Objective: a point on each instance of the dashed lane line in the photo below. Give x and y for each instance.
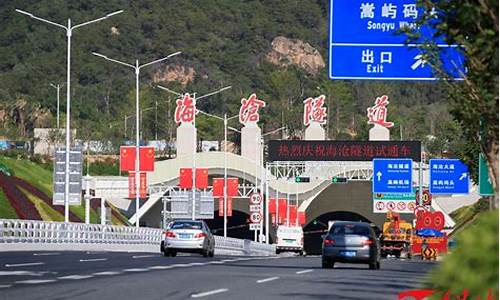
(34, 281)
(160, 267)
(46, 254)
(143, 256)
(209, 293)
(267, 279)
(304, 271)
(76, 277)
(24, 264)
(5, 286)
(93, 259)
(109, 273)
(136, 270)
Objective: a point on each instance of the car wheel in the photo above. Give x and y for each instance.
(204, 252)
(372, 265)
(211, 253)
(378, 265)
(173, 253)
(166, 253)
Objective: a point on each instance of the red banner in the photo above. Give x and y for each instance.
(293, 215)
(218, 187)
(201, 178)
(281, 210)
(186, 178)
(229, 207)
(302, 217)
(272, 206)
(147, 159)
(131, 185)
(143, 185)
(127, 158)
(221, 207)
(232, 187)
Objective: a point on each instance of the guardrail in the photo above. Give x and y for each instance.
(27, 235)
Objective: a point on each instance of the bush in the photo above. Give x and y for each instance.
(473, 265)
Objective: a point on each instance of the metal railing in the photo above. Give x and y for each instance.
(16, 235)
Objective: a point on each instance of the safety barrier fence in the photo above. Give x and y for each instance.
(40, 235)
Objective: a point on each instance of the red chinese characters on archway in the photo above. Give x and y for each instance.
(314, 110)
(249, 110)
(185, 110)
(377, 114)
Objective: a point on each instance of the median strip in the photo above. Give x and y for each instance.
(24, 264)
(267, 279)
(209, 293)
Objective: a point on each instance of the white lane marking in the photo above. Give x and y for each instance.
(229, 260)
(95, 252)
(34, 281)
(198, 264)
(303, 271)
(142, 256)
(160, 267)
(267, 279)
(22, 273)
(24, 264)
(180, 265)
(209, 293)
(4, 286)
(46, 254)
(216, 262)
(135, 270)
(76, 277)
(93, 259)
(106, 273)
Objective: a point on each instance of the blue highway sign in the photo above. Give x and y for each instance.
(448, 176)
(392, 176)
(365, 42)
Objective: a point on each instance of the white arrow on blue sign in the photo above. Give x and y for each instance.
(448, 176)
(392, 175)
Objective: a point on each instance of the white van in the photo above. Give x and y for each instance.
(290, 239)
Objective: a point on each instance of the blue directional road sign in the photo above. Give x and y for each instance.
(365, 42)
(392, 175)
(448, 176)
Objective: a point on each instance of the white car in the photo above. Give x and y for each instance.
(188, 236)
(290, 239)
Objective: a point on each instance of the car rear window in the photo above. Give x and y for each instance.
(341, 229)
(186, 225)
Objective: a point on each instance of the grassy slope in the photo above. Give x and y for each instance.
(42, 179)
(467, 215)
(6, 210)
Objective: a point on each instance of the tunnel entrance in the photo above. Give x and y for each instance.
(313, 232)
(237, 225)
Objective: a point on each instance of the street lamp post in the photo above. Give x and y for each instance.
(69, 31)
(225, 120)
(137, 68)
(193, 215)
(58, 88)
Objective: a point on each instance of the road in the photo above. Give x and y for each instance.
(106, 275)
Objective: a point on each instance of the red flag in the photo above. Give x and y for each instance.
(218, 187)
(293, 214)
(302, 217)
(201, 178)
(131, 185)
(147, 158)
(281, 210)
(127, 158)
(221, 207)
(232, 187)
(186, 178)
(272, 206)
(229, 207)
(143, 185)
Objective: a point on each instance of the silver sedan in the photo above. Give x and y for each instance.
(188, 236)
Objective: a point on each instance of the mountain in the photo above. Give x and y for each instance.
(277, 49)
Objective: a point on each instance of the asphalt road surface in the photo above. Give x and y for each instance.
(106, 275)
